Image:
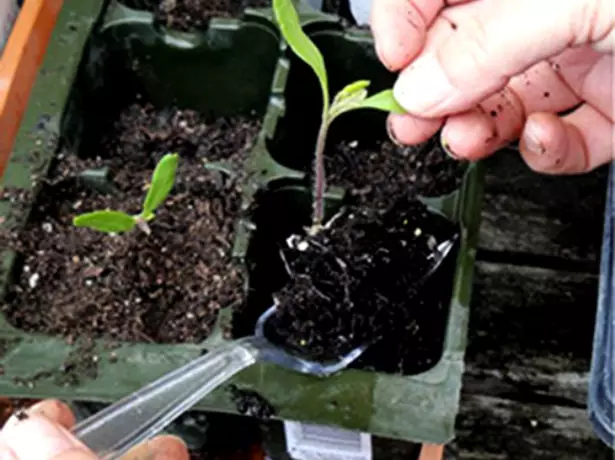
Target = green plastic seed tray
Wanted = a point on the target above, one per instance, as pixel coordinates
(233, 66)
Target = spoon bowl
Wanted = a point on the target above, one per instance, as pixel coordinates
(275, 354)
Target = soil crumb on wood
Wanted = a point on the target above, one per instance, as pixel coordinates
(360, 281)
(194, 14)
(166, 287)
(376, 177)
(251, 403)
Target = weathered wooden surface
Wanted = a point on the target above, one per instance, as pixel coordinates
(532, 319)
(528, 214)
(496, 428)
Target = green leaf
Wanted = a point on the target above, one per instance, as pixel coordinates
(147, 216)
(353, 90)
(300, 43)
(351, 94)
(384, 101)
(354, 96)
(106, 221)
(162, 183)
(349, 98)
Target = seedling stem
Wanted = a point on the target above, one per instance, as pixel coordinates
(353, 96)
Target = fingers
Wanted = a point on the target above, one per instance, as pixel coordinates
(598, 86)
(38, 437)
(477, 133)
(499, 119)
(542, 89)
(577, 143)
(487, 49)
(400, 28)
(409, 130)
(160, 448)
(41, 432)
(55, 411)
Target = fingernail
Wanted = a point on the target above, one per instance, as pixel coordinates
(531, 138)
(447, 148)
(423, 86)
(389, 126)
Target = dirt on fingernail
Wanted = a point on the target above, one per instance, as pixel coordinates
(447, 149)
(391, 135)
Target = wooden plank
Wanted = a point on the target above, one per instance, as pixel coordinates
(530, 336)
(520, 383)
(531, 318)
(498, 429)
(552, 216)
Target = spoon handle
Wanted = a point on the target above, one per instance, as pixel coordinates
(145, 413)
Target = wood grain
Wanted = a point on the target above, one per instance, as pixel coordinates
(499, 429)
(534, 214)
(533, 318)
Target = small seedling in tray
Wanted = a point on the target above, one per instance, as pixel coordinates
(352, 97)
(110, 221)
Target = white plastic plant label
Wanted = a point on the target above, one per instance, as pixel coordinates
(360, 10)
(317, 442)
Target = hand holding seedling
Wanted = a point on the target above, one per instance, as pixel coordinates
(351, 97)
(490, 71)
(109, 221)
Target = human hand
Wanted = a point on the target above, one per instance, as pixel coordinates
(490, 71)
(42, 433)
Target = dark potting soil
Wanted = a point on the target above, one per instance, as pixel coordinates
(194, 14)
(360, 281)
(378, 176)
(166, 287)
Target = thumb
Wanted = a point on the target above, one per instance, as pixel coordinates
(493, 41)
